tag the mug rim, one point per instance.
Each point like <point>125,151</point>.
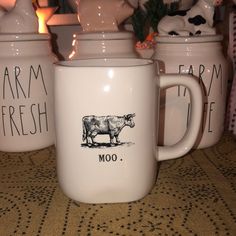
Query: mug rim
<point>105,63</point>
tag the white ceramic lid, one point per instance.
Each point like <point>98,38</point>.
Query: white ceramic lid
<point>190,39</point>
<point>23,37</point>
<point>104,35</point>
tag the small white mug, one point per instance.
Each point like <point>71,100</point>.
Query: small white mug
<point>106,114</point>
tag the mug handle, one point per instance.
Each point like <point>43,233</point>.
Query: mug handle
<point>186,143</point>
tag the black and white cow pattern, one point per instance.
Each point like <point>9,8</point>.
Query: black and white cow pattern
<point>196,21</point>
<point>100,125</point>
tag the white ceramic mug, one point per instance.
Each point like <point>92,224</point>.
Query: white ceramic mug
<point>106,114</point>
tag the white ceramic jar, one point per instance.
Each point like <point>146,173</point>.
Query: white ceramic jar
<point>103,45</point>
<point>26,99</point>
<point>201,56</point>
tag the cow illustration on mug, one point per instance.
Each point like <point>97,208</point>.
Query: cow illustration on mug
<point>105,125</point>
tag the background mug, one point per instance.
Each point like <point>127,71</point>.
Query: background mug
<point>106,114</point>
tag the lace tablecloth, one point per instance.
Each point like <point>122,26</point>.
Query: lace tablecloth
<point>194,195</point>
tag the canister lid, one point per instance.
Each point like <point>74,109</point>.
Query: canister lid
<point>23,37</point>
<point>189,39</point>
<point>104,35</point>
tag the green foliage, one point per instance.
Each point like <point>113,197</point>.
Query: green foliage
<point>139,22</point>
<point>143,21</point>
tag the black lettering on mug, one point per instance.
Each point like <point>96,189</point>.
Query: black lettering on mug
<point>105,125</point>
<point>107,157</point>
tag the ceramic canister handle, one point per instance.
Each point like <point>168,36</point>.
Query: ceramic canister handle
<point>191,134</point>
